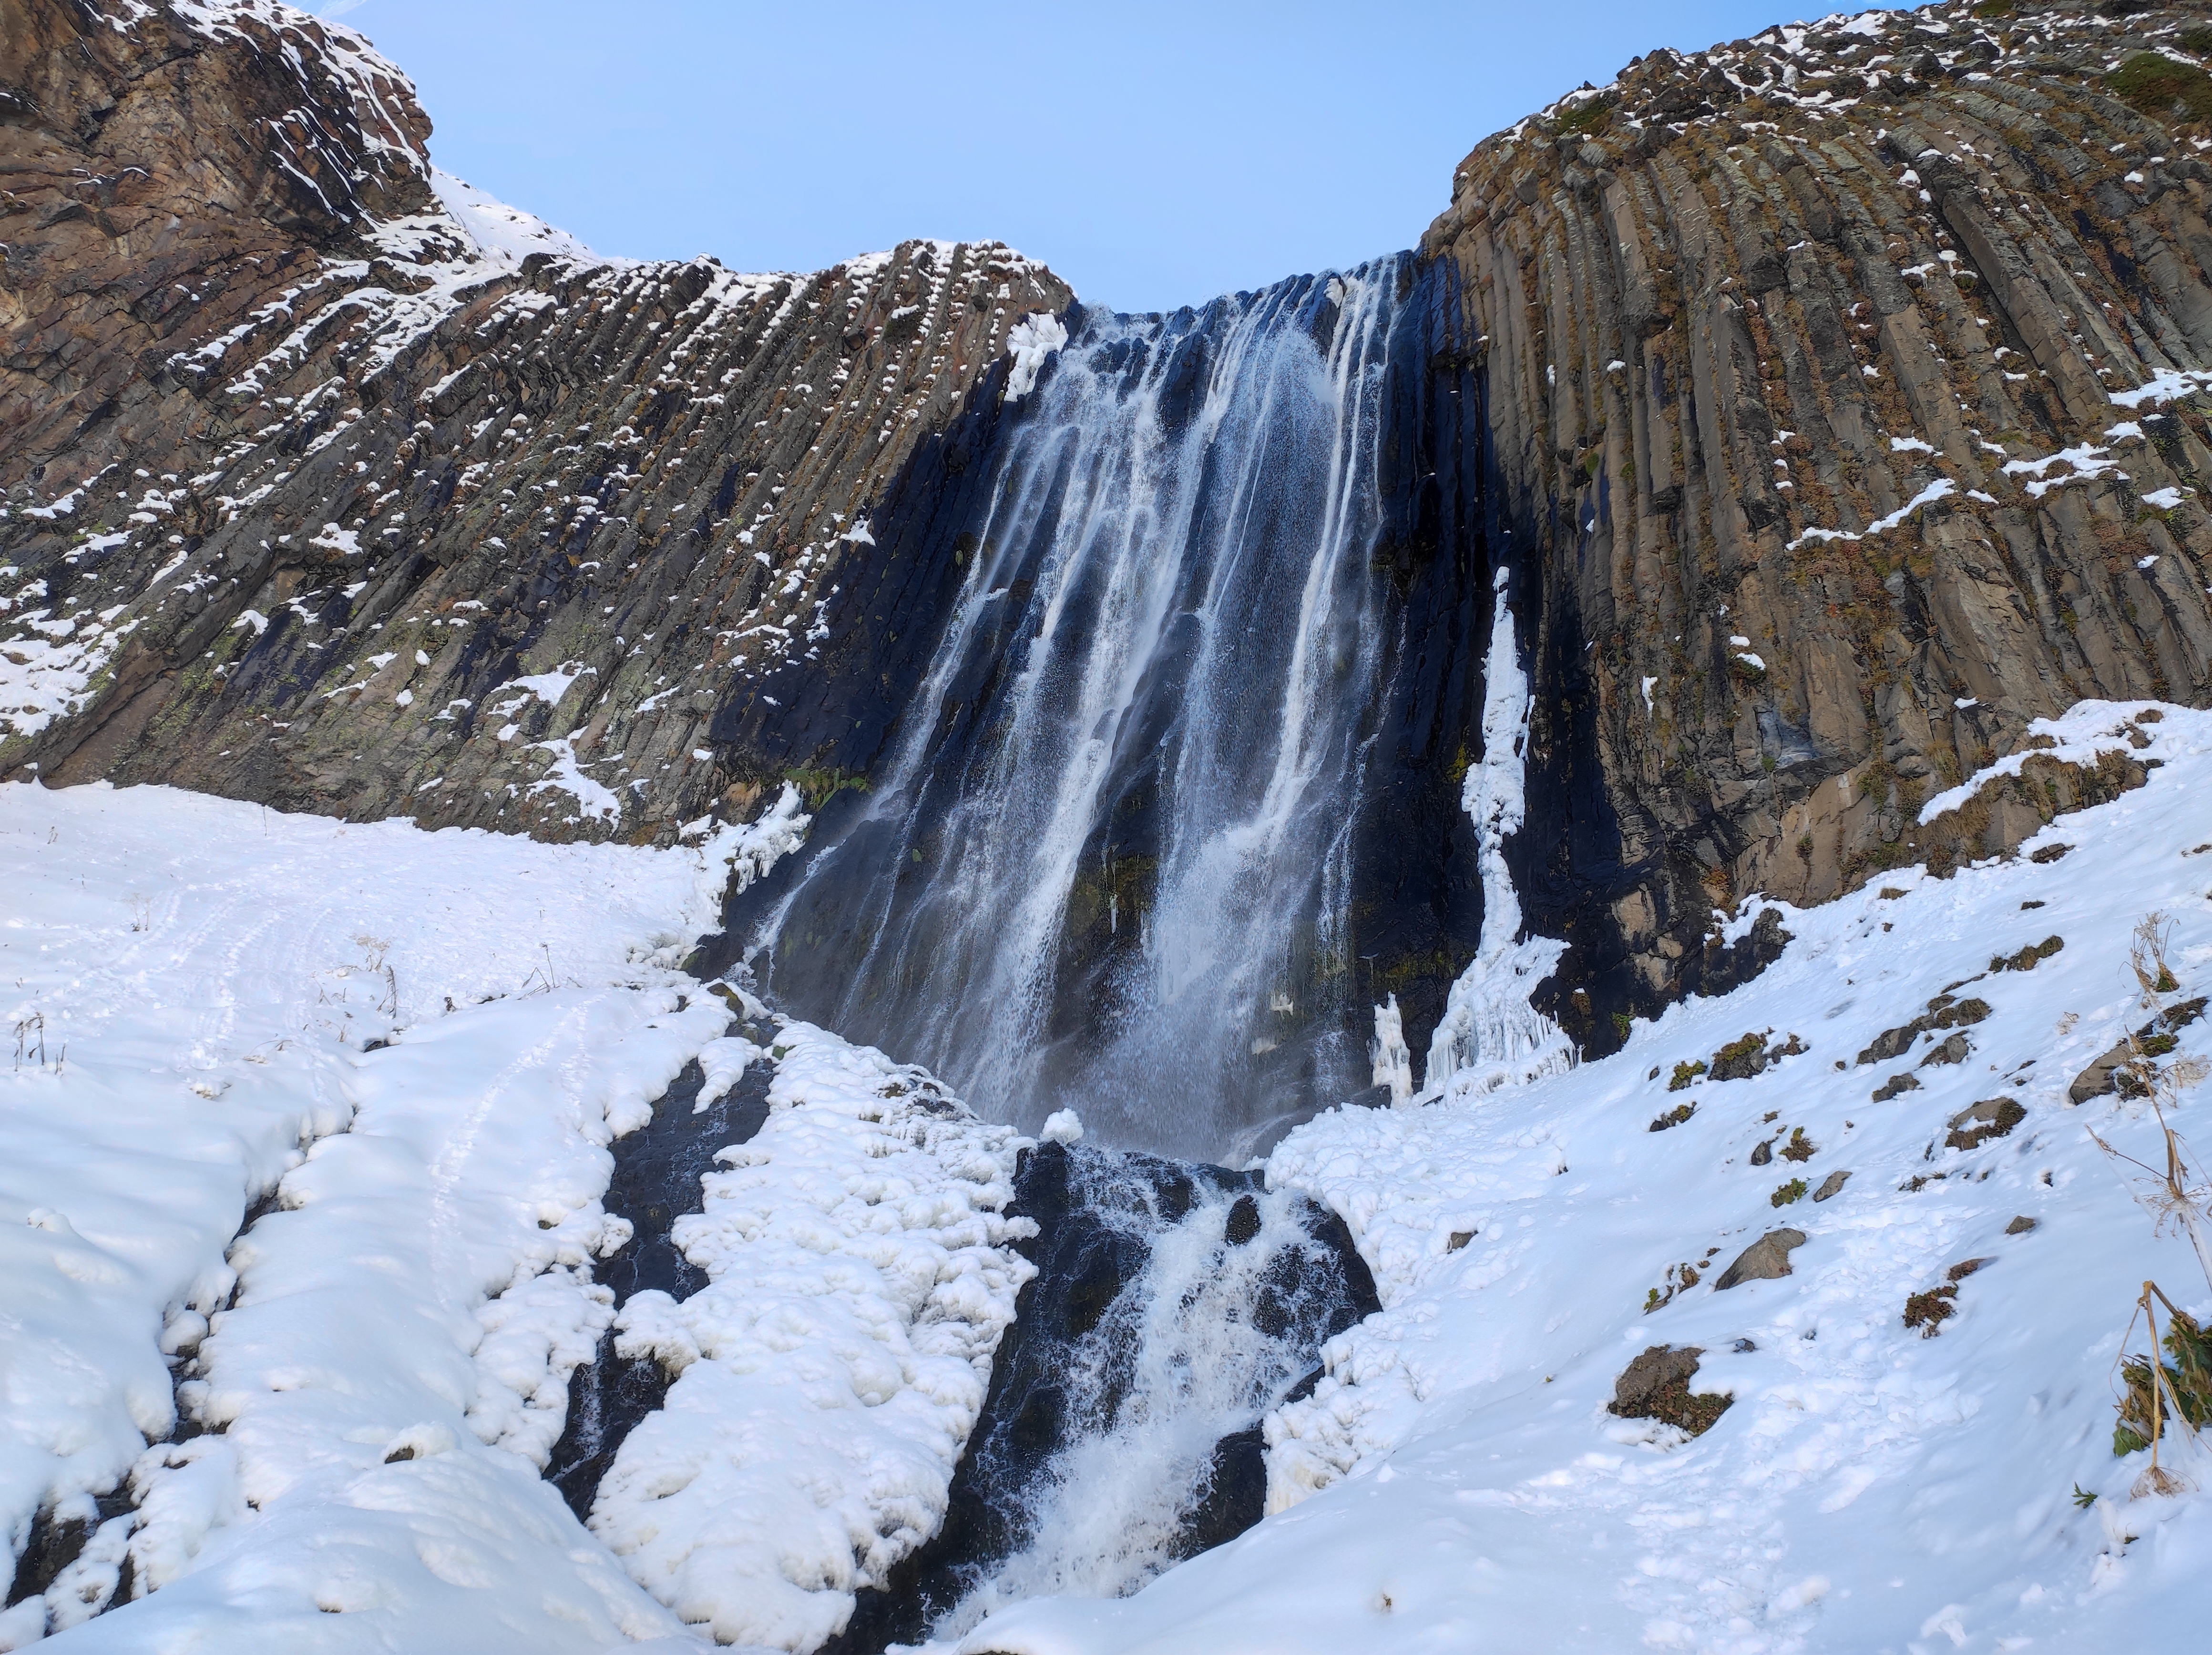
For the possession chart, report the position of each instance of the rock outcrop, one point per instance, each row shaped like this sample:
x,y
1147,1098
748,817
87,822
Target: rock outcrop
x,y
314,495
1841,390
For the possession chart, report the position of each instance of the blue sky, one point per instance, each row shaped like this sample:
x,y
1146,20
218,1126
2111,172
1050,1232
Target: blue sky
x,y
1153,153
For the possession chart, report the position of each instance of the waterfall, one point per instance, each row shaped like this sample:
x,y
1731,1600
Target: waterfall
x,y
1109,865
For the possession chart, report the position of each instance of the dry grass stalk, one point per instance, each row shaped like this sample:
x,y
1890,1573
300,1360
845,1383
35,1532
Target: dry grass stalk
x,y
2171,1193
2147,957
2154,1393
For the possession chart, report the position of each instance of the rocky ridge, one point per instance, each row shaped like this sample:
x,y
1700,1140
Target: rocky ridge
x,y
315,495
1841,386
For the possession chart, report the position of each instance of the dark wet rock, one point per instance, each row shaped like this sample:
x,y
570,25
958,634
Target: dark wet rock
x,y
1763,1154
1243,1223
657,1174
1905,1081
54,1541
1763,1260
1235,1494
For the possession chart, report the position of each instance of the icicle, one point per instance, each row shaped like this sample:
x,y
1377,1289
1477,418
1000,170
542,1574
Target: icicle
x,y
1490,1036
1394,1060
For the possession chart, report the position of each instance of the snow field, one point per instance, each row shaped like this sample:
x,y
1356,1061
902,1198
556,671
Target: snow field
x,y
1456,1482
828,1376
193,982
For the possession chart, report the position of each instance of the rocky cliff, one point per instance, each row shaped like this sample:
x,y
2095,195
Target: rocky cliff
x,y
1841,405
323,491
1829,398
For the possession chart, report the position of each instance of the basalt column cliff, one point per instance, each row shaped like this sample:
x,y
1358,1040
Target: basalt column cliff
x,y
1838,388
1824,407
323,491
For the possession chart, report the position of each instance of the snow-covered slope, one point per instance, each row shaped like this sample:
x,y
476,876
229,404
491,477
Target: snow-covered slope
x,y
506,235
1457,1482
418,1048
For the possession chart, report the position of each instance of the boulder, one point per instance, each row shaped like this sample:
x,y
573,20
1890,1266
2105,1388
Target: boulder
x,y
1992,1117
1955,1049
1893,1042
1763,1260
2096,1080
1656,1387
1832,1184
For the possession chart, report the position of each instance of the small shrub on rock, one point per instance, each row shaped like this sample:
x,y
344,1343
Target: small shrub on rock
x,y
1992,1117
1740,1060
2029,957
1656,1387
1928,1311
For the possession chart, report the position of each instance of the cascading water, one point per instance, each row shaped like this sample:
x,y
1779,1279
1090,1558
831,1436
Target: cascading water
x,y
1173,1307
1110,864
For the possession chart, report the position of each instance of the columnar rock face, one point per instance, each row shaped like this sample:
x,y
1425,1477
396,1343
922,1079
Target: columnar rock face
x,y
324,491
1839,394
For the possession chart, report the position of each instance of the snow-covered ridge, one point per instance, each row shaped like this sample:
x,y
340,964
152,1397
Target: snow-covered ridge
x,y
830,1374
506,235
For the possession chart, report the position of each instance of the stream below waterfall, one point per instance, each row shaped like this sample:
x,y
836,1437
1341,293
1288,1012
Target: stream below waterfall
x,y
1174,1305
